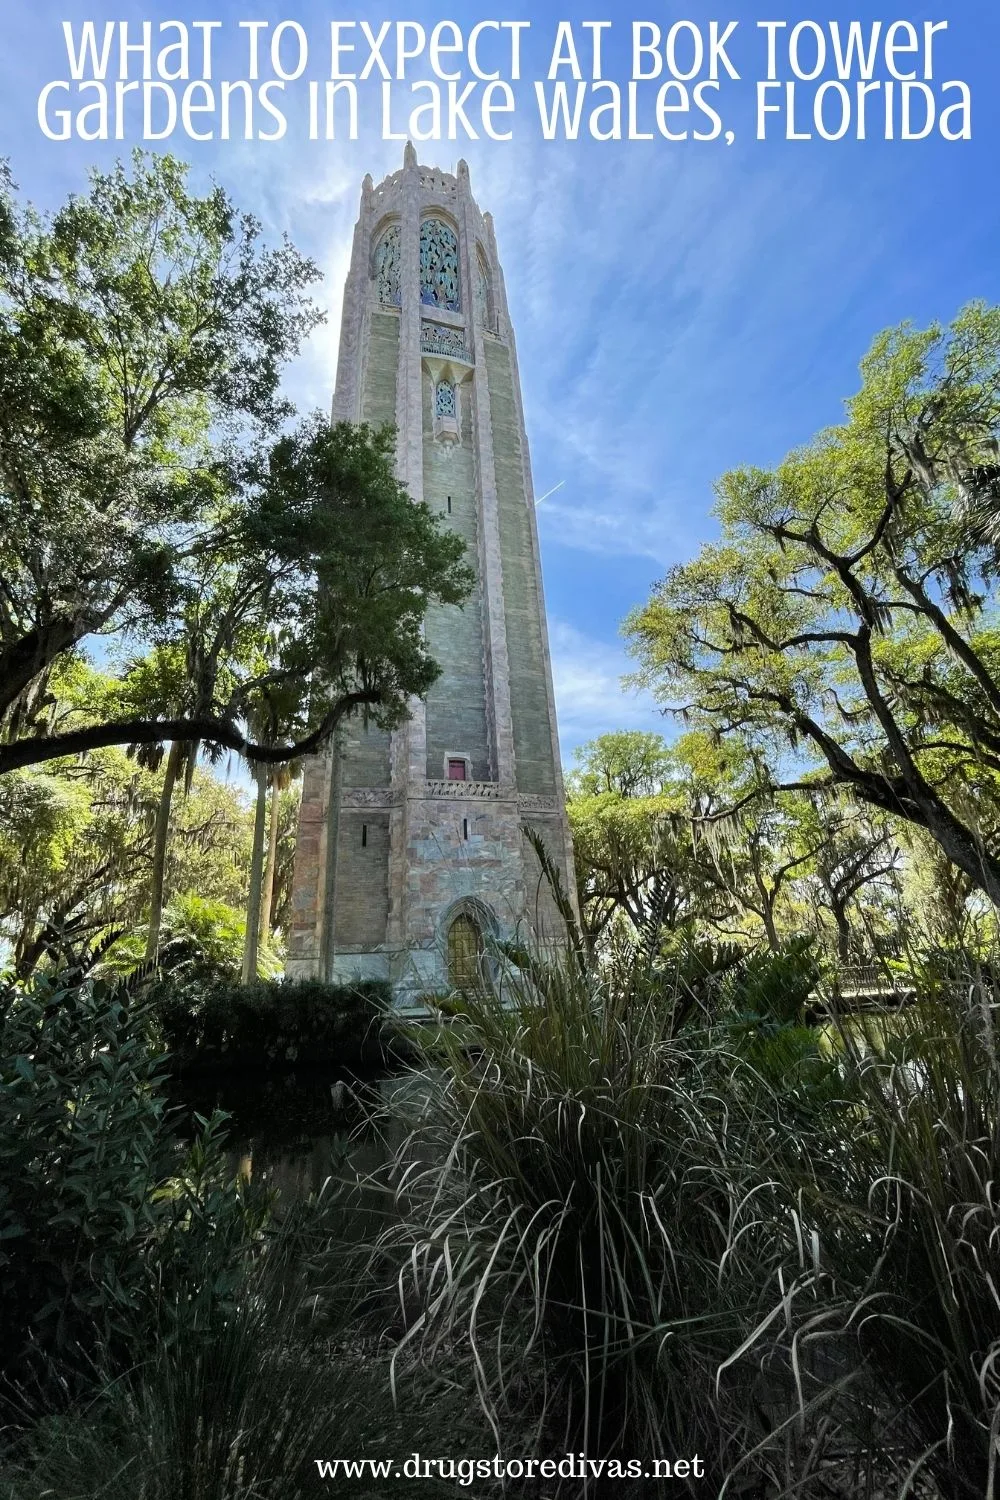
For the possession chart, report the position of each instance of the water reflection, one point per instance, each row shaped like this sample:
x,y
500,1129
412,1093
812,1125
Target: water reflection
x,y
297,1130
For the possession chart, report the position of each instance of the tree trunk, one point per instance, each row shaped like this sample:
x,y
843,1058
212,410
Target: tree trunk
x,y
37,649
330,880
252,943
267,898
160,834
960,846
843,931
28,953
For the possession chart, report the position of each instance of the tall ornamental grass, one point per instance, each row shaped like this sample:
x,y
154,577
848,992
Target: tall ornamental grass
x,y
604,1225
907,1216
238,1408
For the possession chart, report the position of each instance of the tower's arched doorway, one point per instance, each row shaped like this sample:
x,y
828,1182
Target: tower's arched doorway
x,y
466,953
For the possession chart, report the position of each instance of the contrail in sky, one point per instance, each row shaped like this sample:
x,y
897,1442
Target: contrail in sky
x,y
550,492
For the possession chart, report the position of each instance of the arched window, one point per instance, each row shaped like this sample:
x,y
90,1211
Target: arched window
x,y
386,265
445,404
439,286
483,318
465,954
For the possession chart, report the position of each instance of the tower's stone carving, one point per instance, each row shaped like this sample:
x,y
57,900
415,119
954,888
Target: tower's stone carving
x,y
411,848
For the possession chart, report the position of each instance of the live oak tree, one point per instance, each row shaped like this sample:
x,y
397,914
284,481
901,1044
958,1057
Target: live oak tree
x,y
844,627
362,562
678,836
252,580
141,327
147,493
946,911
632,808
853,877
788,864
754,850
756,855
74,855
314,610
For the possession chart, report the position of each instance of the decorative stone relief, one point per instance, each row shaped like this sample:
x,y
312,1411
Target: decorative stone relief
x,y
388,187
526,802
438,182
447,428
366,796
463,789
434,339
439,286
387,267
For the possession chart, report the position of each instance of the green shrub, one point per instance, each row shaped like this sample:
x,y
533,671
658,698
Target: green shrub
x,y
102,1213
274,1023
201,944
239,1408
81,1150
160,1333
769,990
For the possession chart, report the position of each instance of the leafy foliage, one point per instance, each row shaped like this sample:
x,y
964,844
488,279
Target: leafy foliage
x,y
245,1406
905,1227
101,1217
631,807
75,854
148,490
154,1312
132,323
843,628
689,840
82,1149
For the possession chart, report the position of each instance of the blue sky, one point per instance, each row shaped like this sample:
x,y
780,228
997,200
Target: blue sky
x,y
680,308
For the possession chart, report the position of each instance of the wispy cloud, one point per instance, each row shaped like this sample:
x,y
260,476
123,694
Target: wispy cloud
x,y
590,696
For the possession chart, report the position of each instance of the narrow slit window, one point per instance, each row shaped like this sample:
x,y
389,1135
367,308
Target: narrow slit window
x,y
364,835
465,828
449,505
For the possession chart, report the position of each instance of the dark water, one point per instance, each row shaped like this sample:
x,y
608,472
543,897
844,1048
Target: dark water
x,y
298,1130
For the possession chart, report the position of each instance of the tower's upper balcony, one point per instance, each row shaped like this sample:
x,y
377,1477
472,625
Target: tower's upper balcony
x,y
432,180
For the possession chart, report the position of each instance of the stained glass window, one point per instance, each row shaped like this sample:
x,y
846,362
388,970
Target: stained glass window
x,y
445,404
439,286
387,259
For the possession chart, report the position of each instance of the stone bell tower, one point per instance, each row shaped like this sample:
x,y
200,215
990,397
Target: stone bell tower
x,y
411,850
